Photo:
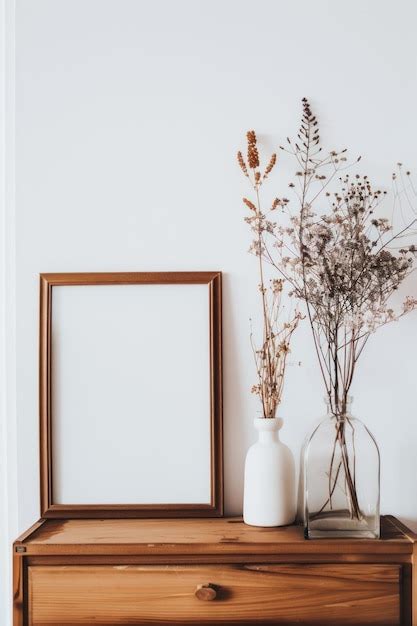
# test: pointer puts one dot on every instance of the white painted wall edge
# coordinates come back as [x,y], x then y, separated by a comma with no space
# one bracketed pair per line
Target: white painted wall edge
[8,436]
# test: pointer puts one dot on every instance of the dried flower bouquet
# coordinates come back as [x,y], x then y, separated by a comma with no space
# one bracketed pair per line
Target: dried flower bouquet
[345,261]
[271,357]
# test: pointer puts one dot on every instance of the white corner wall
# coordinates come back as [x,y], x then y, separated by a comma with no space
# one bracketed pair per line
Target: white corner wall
[128,117]
[8,443]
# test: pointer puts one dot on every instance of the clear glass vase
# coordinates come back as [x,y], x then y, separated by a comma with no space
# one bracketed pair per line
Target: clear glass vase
[341,478]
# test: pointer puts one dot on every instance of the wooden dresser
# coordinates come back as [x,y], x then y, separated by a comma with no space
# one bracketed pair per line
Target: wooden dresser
[218,571]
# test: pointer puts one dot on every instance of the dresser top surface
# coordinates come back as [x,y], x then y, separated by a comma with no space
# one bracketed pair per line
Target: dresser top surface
[203,535]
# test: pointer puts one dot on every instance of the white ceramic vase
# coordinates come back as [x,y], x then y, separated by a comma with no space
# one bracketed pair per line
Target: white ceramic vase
[269,490]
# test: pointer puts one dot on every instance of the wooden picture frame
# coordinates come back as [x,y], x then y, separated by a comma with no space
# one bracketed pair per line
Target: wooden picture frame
[52,505]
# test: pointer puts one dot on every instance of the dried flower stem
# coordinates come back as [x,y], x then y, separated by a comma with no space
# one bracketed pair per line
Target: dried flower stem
[271,357]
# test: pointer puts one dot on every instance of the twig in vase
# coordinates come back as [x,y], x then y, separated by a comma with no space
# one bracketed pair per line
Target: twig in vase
[271,357]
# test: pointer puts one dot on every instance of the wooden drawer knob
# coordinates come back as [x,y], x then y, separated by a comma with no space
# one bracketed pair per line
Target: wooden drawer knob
[206,592]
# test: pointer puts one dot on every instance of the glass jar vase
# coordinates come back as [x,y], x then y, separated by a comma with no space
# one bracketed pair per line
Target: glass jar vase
[341,478]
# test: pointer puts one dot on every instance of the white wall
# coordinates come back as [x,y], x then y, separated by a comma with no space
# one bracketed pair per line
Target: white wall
[8,447]
[129,114]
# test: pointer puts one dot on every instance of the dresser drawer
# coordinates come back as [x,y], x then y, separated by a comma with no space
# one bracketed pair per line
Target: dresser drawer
[238,594]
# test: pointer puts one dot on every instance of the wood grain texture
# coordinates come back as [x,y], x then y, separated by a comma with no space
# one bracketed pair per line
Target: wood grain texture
[401,528]
[128,278]
[32,529]
[414,587]
[127,571]
[18,590]
[194,538]
[255,594]
[49,509]
[78,558]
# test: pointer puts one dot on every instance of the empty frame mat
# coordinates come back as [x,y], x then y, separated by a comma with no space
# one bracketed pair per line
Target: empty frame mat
[131,390]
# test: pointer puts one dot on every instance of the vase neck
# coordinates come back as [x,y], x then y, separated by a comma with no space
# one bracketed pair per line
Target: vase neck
[339,407]
[266,436]
[268,428]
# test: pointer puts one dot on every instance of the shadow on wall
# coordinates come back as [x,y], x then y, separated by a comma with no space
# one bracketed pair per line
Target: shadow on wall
[409,522]
[235,406]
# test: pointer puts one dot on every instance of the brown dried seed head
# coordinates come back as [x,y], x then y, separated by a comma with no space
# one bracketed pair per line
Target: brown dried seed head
[253,155]
[270,165]
[242,163]
[257,177]
[251,137]
[249,204]
[284,347]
